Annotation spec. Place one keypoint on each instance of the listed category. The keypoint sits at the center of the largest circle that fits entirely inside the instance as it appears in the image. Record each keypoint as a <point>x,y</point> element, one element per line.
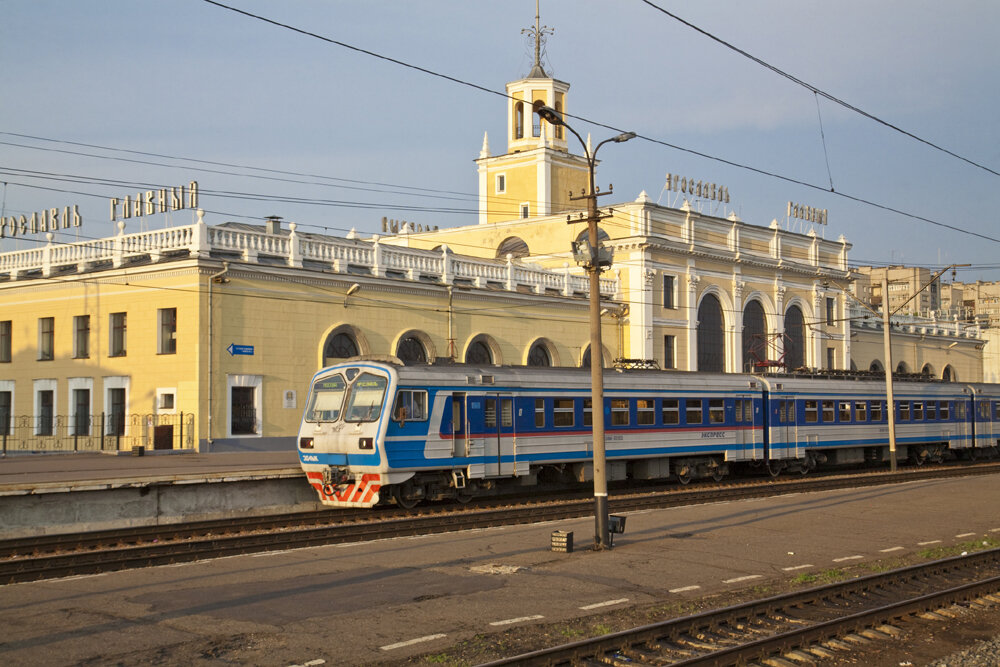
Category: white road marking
<point>604,604</point>
<point>739,579</point>
<point>273,553</point>
<point>411,642</point>
<point>885,551</point>
<point>995,530</point>
<point>311,663</point>
<point>841,560</point>
<point>964,535</point>
<point>797,567</point>
<point>82,576</point>
<point>517,620</point>
<point>685,589</point>
<point>924,544</point>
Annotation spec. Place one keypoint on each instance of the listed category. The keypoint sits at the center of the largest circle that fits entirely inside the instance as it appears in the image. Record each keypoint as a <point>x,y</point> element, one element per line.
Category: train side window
<point>645,411</point>
<point>828,412</point>
<point>562,412</point>
<point>693,411</point>
<point>845,411</point>
<point>812,412</point>
<point>945,410</point>
<point>904,411</point>
<point>860,411</point>
<point>932,410</point>
<point>996,410</point>
<point>960,410</point>
<point>716,411</point>
<point>619,412</point>
<point>588,412</point>
<point>918,411</point>
<point>748,410</point>
<point>738,410</point>
<point>411,405</point>
<point>671,411</point>
<point>539,413</point>
<point>490,412</point>
<point>876,411</point>
<point>507,412</point>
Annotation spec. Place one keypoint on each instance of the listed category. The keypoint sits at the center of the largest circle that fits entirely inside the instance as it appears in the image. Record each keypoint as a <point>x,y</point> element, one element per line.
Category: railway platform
<point>57,493</point>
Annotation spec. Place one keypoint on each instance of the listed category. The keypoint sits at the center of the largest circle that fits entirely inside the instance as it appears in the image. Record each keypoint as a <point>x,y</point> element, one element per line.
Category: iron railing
<point>96,433</point>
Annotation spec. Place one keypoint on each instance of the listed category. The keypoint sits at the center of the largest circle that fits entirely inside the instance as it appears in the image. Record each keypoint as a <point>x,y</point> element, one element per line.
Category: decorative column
<point>692,324</point>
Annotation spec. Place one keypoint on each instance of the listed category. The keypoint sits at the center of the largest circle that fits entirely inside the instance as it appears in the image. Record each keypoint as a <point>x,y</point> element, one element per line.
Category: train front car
<point>342,430</point>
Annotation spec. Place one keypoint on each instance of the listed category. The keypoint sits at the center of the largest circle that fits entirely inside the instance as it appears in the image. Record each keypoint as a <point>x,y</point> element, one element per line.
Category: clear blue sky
<point>188,79</point>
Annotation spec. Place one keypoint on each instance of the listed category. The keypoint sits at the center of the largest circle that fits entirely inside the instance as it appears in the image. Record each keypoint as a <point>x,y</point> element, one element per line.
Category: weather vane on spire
<point>538,32</point>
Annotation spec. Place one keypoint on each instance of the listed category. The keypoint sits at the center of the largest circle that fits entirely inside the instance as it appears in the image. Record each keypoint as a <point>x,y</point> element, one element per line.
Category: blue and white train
<point>377,430</point>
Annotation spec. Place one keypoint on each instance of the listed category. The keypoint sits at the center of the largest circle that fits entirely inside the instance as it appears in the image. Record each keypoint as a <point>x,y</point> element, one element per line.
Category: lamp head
<point>548,114</point>
<point>624,136</point>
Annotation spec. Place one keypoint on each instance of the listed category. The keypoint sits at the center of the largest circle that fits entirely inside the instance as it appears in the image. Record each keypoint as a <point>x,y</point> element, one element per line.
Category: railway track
<point>53,556</point>
<point>803,626</point>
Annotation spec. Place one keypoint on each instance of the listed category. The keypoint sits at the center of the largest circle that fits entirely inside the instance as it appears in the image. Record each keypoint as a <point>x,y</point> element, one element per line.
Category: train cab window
<point>845,411</point>
<point>671,412</point>
<point>327,400</point>
<point>588,413</point>
<point>860,411</point>
<point>693,411</point>
<point>562,412</point>
<point>645,409</point>
<point>945,409</point>
<point>507,412</point>
<point>876,411</point>
<point>716,411</point>
<point>918,411</point>
<point>932,410</point>
<point>411,405</point>
<point>364,403</point>
<point>748,410</point>
<point>996,411</point>
<point>619,412</point>
<point>812,412</point>
<point>828,412</point>
<point>539,413</point>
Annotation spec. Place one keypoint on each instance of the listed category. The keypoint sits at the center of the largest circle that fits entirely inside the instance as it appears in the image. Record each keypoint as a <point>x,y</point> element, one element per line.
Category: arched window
<point>341,345</point>
<point>876,366</point>
<point>902,367</point>
<point>754,335</point>
<point>602,235</point>
<point>927,370</point>
<point>479,353</point>
<point>795,338</point>
<point>411,351</point>
<point>519,120</point>
<point>539,355</point>
<point>514,246</point>
<point>585,361</point>
<point>948,374</point>
<point>711,338</point>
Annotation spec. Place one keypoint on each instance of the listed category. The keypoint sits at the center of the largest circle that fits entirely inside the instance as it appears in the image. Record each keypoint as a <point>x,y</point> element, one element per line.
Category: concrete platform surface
<point>383,601</point>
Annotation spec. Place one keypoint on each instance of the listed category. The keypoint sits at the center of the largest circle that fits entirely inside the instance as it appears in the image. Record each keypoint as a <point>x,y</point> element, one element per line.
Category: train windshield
<point>327,400</point>
<point>365,401</point>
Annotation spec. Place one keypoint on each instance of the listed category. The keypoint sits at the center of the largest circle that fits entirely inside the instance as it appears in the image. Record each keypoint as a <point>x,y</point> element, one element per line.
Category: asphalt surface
<point>382,601</point>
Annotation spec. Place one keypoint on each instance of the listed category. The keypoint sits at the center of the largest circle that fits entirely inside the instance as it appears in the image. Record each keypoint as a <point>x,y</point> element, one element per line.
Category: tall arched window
<point>795,339</point>
<point>519,120</point>
<point>876,366</point>
<point>754,335</point>
<point>340,345</point>
<point>902,367</point>
<point>539,355</point>
<point>711,336</point>
<point>479,354</point>
<point>411,351</point>
<point>948,374</point>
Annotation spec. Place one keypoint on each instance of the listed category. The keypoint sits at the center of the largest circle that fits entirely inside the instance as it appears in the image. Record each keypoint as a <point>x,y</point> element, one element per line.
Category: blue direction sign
<point>235,350</point>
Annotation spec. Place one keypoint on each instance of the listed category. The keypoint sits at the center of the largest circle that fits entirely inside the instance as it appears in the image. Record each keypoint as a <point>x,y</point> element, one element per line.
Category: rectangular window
<point>861,411</point>
<point>845,411</point>
<point>831,357</point>
<point>668,292</point>
<point>501,184</point>
<point>81,337</point>
<point>785,411</point>
<point>81,412</point>
<point>6,333</point>
<point>668,352</point>
<point>904,410</point>
<point>748,410</point>
<point>507,412</point>
<point>46,338</point>
<point>490,413</point>
<point>918,411</point>
<point>525,210</point>
<point>645,409</point>
<point>812,412</point>
<point>6,407</point>
<point>562,412</point>
<point>828,412</point>
<point>619,412</point>
<point>168,330</point>
<point>831,305</point>
<point>738,411</point>
<point>932,411</point>
<point>716,411</point>
<point>588,416</point>
<point>539,413</point>
<point>944,409</point>
<point>876,411</point>
<point>670,411</point>
<point>693,411</point>
<point>117,340</point>
<point>411,405</point>
<point>46,414</point>
<point>116,412</point>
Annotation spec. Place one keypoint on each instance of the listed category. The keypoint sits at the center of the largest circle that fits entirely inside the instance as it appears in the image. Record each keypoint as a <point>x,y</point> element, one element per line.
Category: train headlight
<point>305,443</point>
<point>366,443</point>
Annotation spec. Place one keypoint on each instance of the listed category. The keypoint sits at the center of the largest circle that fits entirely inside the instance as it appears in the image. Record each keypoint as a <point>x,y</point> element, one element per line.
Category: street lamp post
<point>601,529</point>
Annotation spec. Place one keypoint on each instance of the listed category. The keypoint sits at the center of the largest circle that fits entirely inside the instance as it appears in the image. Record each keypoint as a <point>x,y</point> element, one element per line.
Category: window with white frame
<point>501,183</point>
<point>116,404</point>
<point>45,405</point>
<point>244,404</point>
<point>81,405</point>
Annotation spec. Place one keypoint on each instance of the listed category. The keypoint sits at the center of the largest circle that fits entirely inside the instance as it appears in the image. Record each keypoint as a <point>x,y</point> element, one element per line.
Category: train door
<point>964,418</point>
<point>459,425</point>
<point>498,418</point>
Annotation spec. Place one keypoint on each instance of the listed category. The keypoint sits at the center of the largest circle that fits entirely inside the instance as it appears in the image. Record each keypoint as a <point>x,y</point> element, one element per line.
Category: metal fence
<point>96,433</point>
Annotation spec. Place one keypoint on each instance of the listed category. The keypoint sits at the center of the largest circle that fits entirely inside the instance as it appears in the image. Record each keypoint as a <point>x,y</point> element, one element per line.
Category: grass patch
<point>960,548</point>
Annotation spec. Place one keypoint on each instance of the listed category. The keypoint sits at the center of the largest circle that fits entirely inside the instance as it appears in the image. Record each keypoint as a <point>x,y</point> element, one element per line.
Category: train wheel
<point>774,468</point>
<point>718,473</point>
<point>684,475</point>
<point>404,496</point>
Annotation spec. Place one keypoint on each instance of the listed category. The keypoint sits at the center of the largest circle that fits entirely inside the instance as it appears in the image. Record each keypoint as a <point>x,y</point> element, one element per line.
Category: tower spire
<point>538,33</point>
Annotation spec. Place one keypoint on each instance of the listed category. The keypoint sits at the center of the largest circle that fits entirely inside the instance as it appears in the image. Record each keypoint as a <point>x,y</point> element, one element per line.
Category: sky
<point>103,98</point>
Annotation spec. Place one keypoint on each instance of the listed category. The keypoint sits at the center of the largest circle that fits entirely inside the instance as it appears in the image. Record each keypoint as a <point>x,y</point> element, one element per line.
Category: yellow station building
<point>205,337</point>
